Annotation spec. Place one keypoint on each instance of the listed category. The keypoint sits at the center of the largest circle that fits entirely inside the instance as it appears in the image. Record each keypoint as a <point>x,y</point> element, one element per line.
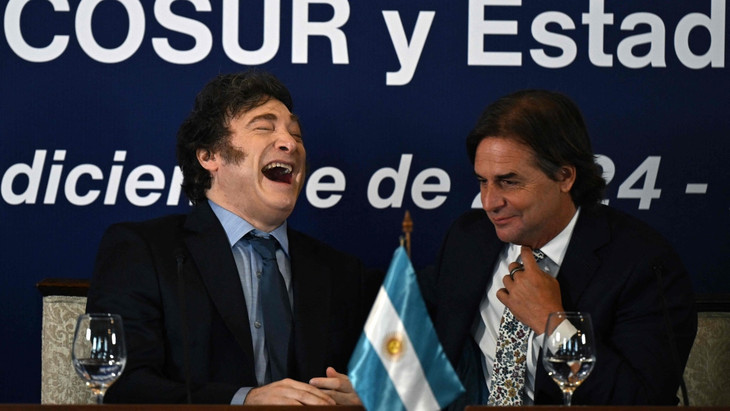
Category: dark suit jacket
<point>137,275</point>
<point>617,269</point>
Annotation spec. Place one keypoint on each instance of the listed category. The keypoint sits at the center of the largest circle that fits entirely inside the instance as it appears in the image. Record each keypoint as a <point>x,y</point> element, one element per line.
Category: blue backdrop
<point>93,92</point>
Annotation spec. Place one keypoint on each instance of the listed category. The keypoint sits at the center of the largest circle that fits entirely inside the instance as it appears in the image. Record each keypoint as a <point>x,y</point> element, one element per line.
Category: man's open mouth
<point>279,172</point>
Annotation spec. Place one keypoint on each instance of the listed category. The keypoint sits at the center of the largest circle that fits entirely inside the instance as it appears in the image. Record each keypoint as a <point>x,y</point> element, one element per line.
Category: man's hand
<point>338,387</point>
<point>532,294</point>
<point>287,392</point>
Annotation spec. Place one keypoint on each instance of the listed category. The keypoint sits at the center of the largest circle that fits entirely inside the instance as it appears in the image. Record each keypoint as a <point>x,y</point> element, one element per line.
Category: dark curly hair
<point>207,126</point>
<point>552,125</point>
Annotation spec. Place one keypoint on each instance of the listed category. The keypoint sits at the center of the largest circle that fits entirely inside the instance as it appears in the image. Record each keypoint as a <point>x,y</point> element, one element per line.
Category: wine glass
<point>568,352</point>
<point>98,352</point>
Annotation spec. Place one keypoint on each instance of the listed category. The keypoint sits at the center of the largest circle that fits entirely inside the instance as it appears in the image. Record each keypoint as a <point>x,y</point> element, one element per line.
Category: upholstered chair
<point>59,382</point>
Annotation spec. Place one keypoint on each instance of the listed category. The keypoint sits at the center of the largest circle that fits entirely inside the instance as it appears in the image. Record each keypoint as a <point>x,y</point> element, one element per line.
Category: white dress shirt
<point>486,328</point>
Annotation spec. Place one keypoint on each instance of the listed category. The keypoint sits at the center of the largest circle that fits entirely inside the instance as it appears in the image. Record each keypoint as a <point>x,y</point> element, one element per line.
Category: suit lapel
<point>471,259</point>
<point>581,261</point>
<point>207,243</point>
<point>311,283</point>
<point>577,271</point>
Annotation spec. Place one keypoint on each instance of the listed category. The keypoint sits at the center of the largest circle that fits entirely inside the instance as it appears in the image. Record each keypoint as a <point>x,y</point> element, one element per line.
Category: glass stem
<point>567,397</point>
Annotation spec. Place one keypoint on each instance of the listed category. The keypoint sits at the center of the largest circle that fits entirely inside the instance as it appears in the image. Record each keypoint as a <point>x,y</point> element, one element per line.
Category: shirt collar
<point>236,227</point>
<point>556,248</point>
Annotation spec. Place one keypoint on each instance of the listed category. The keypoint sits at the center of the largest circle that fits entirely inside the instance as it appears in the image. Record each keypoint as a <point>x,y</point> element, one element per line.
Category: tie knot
<point>538,254</point>
<point>266,247</point>
<point>545,263</point>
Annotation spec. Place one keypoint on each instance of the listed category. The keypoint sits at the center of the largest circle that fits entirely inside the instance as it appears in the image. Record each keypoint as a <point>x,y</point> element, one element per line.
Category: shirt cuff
<point>240,395</point>
<point>566,330</point>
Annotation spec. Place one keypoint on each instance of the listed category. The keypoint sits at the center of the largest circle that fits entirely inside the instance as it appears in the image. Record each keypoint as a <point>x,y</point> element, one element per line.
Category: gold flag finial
<point>407,229</point>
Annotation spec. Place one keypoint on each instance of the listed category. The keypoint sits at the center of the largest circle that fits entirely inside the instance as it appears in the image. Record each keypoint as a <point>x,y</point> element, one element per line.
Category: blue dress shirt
<point>249,266</point>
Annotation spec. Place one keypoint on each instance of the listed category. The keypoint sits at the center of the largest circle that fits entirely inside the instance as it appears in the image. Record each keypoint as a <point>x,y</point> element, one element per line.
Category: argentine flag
<point>398,363</point>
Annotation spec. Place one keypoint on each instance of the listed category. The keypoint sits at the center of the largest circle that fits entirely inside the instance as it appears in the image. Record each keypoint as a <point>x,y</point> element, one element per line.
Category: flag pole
<point>407,229</point>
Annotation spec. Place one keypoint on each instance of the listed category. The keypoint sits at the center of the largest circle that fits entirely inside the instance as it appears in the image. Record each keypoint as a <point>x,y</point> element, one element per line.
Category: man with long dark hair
<point>544,243</point>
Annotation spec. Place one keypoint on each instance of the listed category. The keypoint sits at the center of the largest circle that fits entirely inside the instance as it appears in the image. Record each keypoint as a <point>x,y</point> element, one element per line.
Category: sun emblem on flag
<point>394,345</point>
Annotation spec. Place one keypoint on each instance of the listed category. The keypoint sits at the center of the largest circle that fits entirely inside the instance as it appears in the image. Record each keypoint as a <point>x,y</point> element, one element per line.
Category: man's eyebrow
<point>265,116</point>
<point>506,176</point>
<point>273,117</point>
<point>499,177</point>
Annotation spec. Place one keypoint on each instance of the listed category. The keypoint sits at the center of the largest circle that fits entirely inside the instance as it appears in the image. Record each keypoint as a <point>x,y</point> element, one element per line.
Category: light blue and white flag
<point>398,363</point>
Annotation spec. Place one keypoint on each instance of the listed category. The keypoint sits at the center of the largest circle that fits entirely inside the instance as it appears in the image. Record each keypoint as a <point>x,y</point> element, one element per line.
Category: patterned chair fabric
<point>59,382</point>
<point>707,374</point>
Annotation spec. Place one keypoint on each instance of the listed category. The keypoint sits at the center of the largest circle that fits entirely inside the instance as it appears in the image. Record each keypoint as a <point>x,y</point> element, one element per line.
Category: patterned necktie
<point>277,311</point>
<point>510,362</point>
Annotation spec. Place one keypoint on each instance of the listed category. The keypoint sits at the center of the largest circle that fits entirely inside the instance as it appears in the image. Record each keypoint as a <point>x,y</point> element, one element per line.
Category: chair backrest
<point>62,305</point>
<point>707,374</point>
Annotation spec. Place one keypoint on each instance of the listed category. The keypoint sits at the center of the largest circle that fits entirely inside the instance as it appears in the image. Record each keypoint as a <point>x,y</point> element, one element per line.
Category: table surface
<point>165,407</point>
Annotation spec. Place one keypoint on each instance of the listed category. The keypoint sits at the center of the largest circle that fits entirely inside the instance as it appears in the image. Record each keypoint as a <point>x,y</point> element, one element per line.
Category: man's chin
<point>508,236</point>
<point>284,205</point>
<point>281,197</point>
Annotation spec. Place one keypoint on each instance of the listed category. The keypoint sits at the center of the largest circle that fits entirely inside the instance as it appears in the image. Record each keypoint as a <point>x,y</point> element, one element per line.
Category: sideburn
<point>231,154</point>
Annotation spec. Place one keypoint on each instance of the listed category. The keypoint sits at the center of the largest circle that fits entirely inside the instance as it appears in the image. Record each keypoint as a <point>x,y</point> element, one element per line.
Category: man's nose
<point>492,199</point>
<point>285,141</point>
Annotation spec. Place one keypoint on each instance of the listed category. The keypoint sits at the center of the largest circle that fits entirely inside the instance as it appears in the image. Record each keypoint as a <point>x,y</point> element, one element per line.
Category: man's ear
<point>566,177</point>
<point>207,159</point>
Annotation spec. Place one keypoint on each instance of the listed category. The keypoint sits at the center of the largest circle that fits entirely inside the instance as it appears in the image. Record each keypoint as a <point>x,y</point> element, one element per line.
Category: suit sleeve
<point>127,280</point>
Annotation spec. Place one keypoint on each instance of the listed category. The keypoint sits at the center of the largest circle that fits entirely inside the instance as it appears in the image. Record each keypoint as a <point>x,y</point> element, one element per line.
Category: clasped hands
<point>531,294</point>
<point>334,389</point>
